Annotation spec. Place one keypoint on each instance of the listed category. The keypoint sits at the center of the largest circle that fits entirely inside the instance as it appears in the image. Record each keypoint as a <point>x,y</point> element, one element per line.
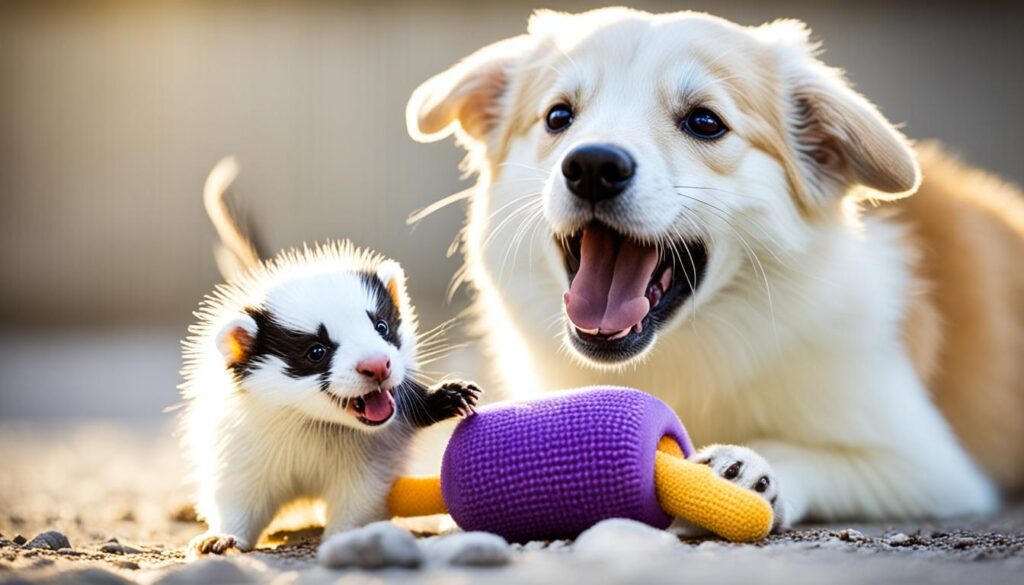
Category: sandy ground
<point>100,481</point>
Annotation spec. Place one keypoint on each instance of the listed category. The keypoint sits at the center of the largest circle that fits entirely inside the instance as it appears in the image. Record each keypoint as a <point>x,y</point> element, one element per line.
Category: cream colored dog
<point>687,206</point>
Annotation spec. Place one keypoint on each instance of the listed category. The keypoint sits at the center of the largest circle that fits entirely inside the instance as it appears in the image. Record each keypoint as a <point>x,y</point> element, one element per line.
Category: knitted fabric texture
<point>692,491</point>
<point>416,496</point>
<point>553,467</point>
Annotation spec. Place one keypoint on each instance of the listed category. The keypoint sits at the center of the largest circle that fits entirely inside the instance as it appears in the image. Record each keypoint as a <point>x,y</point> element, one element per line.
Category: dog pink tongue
<point>608,292</point>
<point>379,406</point>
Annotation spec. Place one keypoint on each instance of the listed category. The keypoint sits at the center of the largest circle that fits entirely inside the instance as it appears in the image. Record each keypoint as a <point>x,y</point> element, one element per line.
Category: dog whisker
<point>506,221</point>
<point>751,254</point>
<point>517,240</point>
<point>775,249</point>
<point>438,205</point>
<point>540,170</point>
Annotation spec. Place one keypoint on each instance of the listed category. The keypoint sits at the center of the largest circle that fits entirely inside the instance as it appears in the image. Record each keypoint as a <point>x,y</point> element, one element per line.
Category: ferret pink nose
<point>375,369</point>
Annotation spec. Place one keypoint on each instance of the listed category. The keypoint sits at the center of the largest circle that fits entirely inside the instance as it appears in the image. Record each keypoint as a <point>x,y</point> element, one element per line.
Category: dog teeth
<point>666,278</point>
<point>612,335</point>
<point>621,334</point>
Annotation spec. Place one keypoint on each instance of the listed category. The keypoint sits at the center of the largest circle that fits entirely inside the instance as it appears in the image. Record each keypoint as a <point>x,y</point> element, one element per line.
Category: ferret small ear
<point>237,340</point>
<point>391,274</point>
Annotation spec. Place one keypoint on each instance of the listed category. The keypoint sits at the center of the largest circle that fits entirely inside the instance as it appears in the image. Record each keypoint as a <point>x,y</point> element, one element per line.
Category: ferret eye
<point>316,353</point>
<point>703,123</point>
<point>382,327</point>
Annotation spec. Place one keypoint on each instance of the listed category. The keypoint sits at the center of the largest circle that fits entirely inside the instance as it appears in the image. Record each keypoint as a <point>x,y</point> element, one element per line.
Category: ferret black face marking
<point>385,312</point>
<point>305,354</point>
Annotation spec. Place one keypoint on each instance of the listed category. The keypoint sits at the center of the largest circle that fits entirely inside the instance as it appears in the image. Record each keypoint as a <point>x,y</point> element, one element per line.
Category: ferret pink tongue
<point>608,292</point>
<point>379,406</point>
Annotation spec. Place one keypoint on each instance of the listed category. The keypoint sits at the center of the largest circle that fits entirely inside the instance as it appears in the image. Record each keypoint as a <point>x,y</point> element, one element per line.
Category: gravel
<point>114,469</point>
<point>49,540</point>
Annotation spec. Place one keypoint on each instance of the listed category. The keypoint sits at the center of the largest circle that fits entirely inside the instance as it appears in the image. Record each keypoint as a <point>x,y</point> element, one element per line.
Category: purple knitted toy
<point>551,468</point>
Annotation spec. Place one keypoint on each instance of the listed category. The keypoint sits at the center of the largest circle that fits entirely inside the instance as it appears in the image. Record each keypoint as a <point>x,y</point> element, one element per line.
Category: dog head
<point>667,157</point>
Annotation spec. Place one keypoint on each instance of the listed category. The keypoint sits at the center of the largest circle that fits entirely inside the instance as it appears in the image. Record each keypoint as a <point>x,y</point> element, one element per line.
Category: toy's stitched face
<point>310,342</point>
<point>657,161</point>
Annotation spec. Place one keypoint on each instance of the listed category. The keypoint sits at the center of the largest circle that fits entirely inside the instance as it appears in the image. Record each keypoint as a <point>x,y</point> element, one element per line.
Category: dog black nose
<point>596,172</point>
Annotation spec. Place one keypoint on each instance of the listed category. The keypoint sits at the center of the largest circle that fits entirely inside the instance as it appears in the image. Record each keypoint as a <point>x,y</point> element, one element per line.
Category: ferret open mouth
<point>373,408</point>
<point>621,290</point>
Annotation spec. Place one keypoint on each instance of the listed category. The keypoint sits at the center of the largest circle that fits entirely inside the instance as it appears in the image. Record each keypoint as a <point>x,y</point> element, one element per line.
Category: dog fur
<point>868,344</point>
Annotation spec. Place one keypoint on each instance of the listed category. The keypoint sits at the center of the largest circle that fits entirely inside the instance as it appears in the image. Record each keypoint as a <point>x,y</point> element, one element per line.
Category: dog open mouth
<point>621,290</point>
<point>374,408</point>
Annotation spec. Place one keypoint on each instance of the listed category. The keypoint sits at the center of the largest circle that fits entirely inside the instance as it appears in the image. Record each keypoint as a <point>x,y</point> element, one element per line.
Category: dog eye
<point>382,328</point>
<point>316,352</point>
<point>703,123</point>
<point>559,118</point>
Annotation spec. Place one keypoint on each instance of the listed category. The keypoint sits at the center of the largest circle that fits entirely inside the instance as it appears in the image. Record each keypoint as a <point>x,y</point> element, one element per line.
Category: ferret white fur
<point>278,402</point>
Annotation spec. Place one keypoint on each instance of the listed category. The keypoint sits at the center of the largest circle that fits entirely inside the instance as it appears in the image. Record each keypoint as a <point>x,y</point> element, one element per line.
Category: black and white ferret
<point>299,384</point>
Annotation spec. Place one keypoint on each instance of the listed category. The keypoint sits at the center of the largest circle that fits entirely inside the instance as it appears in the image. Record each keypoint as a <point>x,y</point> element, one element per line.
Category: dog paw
<point>747,469</point>
<point>216,544</point>
<point>452,399</point>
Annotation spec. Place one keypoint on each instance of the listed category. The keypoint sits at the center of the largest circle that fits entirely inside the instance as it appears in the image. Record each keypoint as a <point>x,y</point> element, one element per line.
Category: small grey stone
<point>964,542</point>
<point>19,540</point>
<point>51,540</point>
<point>91,576</point>
<point>711,546</point>
<point>899,539</point>
<point>851,535</point>
<point>374,546</point>
<point>559,546</point>
<point>533,545</point>
<point>129,565</point>
<point>481,549</point>
<point>208,570</point>
<point>615,538</point>
<point>116,548</point>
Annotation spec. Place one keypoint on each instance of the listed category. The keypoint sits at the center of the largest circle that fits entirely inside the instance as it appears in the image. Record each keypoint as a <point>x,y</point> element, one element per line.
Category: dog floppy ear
<point>838,138</point>
<point>466,99</point>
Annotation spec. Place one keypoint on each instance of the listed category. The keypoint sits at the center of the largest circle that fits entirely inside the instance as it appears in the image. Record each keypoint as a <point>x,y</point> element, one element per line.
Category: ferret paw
<point>216,544</point>
<point>747,469</point>
<point>452,399</point>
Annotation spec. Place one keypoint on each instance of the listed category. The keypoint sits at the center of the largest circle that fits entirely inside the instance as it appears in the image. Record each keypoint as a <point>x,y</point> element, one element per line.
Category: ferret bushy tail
<point>237,251</point>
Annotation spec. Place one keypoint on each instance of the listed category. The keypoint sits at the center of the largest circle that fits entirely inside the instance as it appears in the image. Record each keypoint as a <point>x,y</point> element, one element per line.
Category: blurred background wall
<point>112,113</point>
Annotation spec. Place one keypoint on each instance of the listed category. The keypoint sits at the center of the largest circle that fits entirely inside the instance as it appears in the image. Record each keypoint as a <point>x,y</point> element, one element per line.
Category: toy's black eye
<point>762,485</point>
<point>703,123</point>
<point>559,118</point>
<point>316,353</point>
<point>382,328</point>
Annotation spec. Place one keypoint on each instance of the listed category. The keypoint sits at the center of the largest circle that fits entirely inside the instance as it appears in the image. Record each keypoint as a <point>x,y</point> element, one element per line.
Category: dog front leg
<point>893,456</point>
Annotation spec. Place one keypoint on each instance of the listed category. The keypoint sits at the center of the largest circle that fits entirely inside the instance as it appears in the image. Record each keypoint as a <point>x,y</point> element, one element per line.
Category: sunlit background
<point>112,113</point>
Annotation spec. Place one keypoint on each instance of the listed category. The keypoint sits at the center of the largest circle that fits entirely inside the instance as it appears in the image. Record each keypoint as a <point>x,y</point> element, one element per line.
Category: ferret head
<point>328,332</point>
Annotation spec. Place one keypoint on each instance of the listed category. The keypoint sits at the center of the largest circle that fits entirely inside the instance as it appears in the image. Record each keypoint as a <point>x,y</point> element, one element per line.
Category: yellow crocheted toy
<point>553,467</point>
